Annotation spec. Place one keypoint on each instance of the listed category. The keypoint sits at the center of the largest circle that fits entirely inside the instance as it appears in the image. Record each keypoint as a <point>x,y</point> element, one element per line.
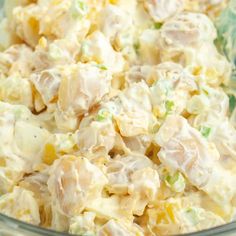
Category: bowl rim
<point>30,228</point>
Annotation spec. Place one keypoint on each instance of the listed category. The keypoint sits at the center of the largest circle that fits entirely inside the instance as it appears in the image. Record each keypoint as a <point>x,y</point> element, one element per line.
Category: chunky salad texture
<point>117,117</point>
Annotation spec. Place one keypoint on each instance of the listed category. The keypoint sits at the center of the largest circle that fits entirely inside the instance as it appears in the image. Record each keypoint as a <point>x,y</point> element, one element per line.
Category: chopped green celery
<point>205,131</point>
<point>102,67</point>
<point>192,215</point>
<point>205,91</point>
<point>176,182</point>
<point>157,25</point>
<point>232,103</point>
<point>103,115</point>
<point>169,106</point>
<point>79,8</point>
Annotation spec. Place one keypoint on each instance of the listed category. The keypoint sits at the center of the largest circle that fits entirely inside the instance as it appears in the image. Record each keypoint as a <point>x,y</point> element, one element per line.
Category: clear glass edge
<point>14,223</point>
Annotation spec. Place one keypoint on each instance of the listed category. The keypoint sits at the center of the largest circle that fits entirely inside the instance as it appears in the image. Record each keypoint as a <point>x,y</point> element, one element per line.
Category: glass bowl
<point>14,227</point>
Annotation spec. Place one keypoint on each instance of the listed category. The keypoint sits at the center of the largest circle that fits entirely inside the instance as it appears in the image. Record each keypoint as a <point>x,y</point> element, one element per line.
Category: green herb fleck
<point>169,106</point>
<point>172,179</point>
<point>232,103</point>
<point>103,114</point>
<point>102,67</point>
<point>157,25</point>
<point>205,131</point>
<point>137,47</point>
<point>176,182</point>
<point>205,91</point>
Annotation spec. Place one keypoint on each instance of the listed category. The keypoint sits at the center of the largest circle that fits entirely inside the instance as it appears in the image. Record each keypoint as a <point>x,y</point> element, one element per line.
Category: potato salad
<point>117,117</point>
